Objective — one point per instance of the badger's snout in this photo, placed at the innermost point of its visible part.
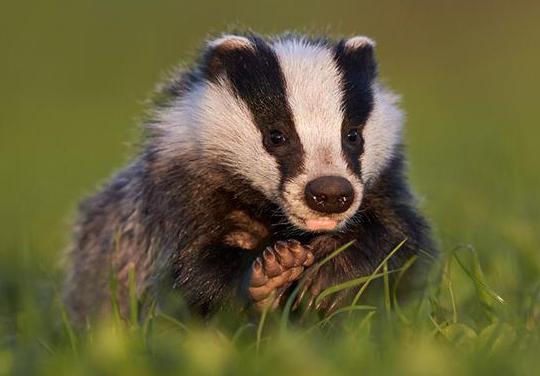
(329, 194)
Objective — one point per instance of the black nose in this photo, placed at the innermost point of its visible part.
(329, 194)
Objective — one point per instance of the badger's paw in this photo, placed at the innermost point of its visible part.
(273, 272)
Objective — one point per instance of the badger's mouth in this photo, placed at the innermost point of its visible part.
(316, 224)
(321, 224)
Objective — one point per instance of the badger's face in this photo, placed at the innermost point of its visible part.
(303, 122)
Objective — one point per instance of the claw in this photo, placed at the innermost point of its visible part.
(280, 244)
(268, 255)
(258, 278)
(299, 255)
(299, 299)
(271, 265)
(286, 258)
(310, 303)
(332, 308)
(279, 295)
(294, 243)
(309, 259)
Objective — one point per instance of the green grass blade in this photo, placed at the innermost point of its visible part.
(397, 307)
(133, 300)
(386, 283)
(343, 310)
(366, 320)
(148, 321)
(260, 327)
(44, 344)
(349, 284)
(113, 290)
(371, 277)
(113, 280)
(335, 253)
(477, 276)
(288, 305)
(450, 286)
(68, 328)
(240, 331)
(173, 321)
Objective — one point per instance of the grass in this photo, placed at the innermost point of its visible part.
(446, 331)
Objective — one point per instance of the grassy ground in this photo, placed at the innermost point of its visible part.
(447, 332)
(73, 76)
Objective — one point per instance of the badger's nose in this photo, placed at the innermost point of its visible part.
(329, 194)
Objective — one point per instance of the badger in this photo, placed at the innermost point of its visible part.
(256, 163)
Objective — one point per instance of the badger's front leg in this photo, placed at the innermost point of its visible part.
(273, 272)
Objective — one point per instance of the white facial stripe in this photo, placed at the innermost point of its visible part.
(315, 96)
(214, 124)
(314, 92)
(382, 133)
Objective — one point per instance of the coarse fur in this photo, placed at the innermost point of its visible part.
(209, 191)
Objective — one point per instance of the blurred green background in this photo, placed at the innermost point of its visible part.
(74, 76)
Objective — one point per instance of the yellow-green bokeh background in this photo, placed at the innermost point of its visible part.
(74, 75)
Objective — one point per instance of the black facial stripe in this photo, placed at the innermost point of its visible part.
(358, 70)
(257, 79)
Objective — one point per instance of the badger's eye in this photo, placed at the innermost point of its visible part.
(277, 138)
(353, 136)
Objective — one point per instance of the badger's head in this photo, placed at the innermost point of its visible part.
(302, 121)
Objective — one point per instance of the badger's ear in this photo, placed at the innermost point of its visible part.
(357, 54)
(220, 53)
